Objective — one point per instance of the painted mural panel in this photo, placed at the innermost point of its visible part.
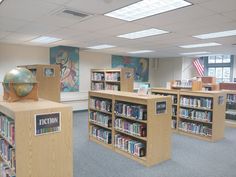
(68, 60)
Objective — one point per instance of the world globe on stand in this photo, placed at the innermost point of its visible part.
(22, 80)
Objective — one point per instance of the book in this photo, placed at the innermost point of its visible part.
(101, 134)
(100, 118)
(101, 104)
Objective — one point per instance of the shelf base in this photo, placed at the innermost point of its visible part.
(230, 123)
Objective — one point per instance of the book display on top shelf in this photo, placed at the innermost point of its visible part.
(132, 125)
(201, 114)
(112, 79)
(193, 85)
(23, 152)
(174, 100)
(209, 83)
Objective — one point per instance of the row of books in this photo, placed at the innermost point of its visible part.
(137, 129)
(131, 146)
(198, 129)
(5, 171)
(131, 110)
(98, 76)
(101, 118)
(182, 83)
(97, 86)
(114, 76)
(7, 153)
(231, 98)
(196, 102)
(112, 87)
(174, 123)
(101, 134)
(173, 97)
(103, 105)
(174, 110)
(7, 128)
(205, 116)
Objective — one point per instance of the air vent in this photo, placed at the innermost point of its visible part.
(78, 14)
(69, 13)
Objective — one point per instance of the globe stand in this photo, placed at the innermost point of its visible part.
(11, 96)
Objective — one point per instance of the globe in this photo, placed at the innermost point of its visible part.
(22, 80)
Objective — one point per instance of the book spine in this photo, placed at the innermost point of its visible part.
(196, 102)
(101, 134)
(97, 76)
(100, 118)
(195, 128)
(103, 105)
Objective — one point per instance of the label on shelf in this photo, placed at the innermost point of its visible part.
(161, 107)
(47, 123)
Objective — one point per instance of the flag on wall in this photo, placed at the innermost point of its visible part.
(199, 66)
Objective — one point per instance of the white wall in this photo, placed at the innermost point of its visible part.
(166, 69)
(12, 55)
(188, 70)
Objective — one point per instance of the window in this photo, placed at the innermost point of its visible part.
(219, 66)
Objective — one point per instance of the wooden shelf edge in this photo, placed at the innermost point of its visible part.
(100, 125)
(100, 142)
(128, 134)
(195, 120)
(195, 135)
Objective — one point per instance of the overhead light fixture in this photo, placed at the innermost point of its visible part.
(211, 44)
(143, 33)
(146, 8)
(216, 34)
(141, 51)
(45, 40)
(103, 46)
(1, 1)
(194, 53)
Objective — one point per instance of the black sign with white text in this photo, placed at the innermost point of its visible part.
(47, 123)
(161, 107)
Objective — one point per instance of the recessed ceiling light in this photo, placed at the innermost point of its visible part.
(141, 51)
(143, 33)
(216, 34)
(146, 8)
(45, 39)
(194, 53)
(103, 46)
(200, 45)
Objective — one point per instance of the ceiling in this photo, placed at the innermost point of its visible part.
(24, 20)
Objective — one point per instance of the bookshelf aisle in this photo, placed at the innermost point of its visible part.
(174, 100)
(201, 114)
(132, 125)
(112, 79)
(230, 113)
(28, 148)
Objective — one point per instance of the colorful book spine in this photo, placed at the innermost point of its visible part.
(136, 129)
(97, 86)
(174, 110)
(195, 128)
(113, 76)
(205, 116)
(101, 134)
(7, 128)
(101, 118)
(103, 105)
(5, 171)
(182, 83)
(96, 76)
(112, 87)
(130, 110)
(129, 145)
(231, 98)
(196, 102)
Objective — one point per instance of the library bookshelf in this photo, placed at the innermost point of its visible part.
(120, 79)
(174, 101)
(31, 154)
(188, 85)
(135, 126)
(202, 114)
(48, 77)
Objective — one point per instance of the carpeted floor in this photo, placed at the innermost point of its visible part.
(190, 157)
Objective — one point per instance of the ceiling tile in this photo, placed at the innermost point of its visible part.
(219, 5)
(11, 24)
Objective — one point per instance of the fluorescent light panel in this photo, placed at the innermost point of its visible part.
(45, 40)
(103, 46)
(194, 53)
(146, 8)
(141, 51)
(1, 1)
(143, 33)
(200, 45)
(216, 34)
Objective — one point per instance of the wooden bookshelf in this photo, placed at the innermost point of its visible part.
(206, 110)
(120, 79)
(190, 85)
(46, 155)
(48, 77)
(174, 100)
(209, 83)
(154, 130)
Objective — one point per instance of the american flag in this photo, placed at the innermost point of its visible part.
(198, 64)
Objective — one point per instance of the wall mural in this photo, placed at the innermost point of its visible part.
(68, 60)
(140, 65)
